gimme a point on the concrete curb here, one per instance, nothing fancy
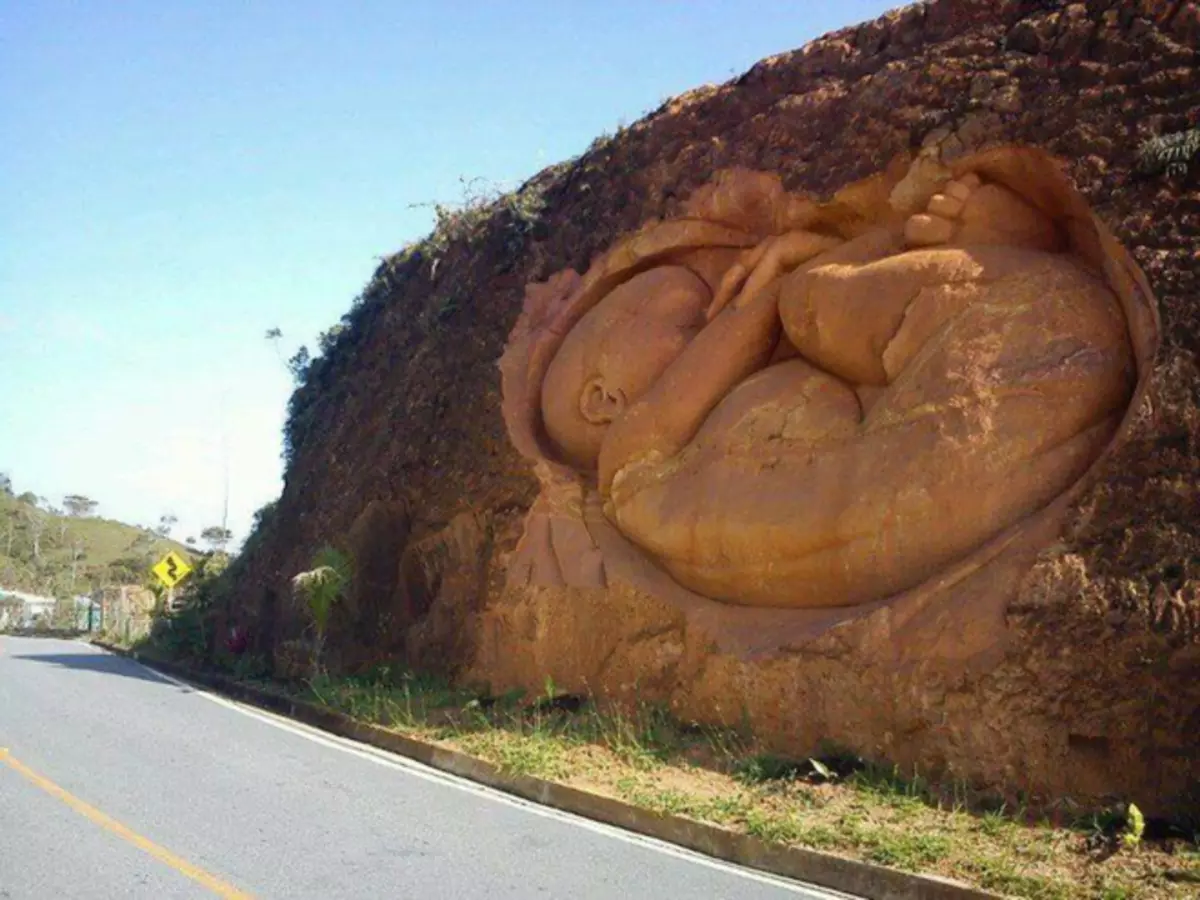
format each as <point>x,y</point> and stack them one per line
<point>823,869</point>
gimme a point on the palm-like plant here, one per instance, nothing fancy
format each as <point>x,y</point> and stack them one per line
<point>322,586</point>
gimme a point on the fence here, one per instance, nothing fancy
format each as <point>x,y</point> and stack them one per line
<point>123,611</point>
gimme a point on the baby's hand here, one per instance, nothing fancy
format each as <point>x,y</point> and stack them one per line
<point>736,277</point>
<point>764,264</point>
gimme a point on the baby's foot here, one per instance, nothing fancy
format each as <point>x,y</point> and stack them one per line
<point>968,211</point>
<point>941,219</point>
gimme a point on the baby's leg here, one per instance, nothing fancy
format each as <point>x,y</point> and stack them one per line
<point>844,314</point>
<point>791,402</point>
<point>843,317</point>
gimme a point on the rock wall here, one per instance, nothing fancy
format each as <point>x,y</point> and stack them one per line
<point>399,449</point>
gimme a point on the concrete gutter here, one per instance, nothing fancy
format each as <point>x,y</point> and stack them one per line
<point>824,869</point>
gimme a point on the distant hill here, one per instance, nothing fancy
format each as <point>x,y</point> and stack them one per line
<point>48,553</point>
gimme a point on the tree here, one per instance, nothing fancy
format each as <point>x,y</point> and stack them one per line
<point>329,337</point>
<point>274,336</point>
<point>78,552</point>
<point>216,536</point>
<point>191,541</point>
<point>165,524</point>
<point>37,525</point>
<point>298,365</point>
<point>28,497</point>
<point>6,487</point>
<point>322,586</point>
<point>263,515</point>
<point>13,515</point>
<point>79,506</point>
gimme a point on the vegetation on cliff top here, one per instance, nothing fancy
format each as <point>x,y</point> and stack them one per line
<point>516,212</point>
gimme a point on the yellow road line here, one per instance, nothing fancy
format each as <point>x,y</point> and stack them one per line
<point>214,884</point>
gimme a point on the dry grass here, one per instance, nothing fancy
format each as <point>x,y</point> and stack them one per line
<point>836,803</point>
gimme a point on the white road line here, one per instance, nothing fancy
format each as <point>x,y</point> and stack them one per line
<point>420,770</point>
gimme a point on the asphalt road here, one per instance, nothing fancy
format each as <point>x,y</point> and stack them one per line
<point>116,782</point>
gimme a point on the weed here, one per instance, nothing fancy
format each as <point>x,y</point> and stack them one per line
<point>774,829</point>
<point>907,851</point>
<point>1000,876</point>
<point>819,837</point>
<point>994,823</point>
<point>1169,153</point>
<point>724,809</point>
<point>1135,827</point>
<point>627,740</point>
<point>250,667</point>
<point>890,787</point>
<point>536,753</point>
<point>322,586</point>
<point>464,222</point>
<point>766,767</point>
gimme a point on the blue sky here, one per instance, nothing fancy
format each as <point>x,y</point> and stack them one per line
<point>176,178</point>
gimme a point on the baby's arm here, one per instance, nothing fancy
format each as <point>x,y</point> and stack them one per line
<point>736,344</point>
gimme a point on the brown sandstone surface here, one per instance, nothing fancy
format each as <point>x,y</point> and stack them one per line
<point>1083,682</point>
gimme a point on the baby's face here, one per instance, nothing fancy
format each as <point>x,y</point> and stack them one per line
<point>615,354</point>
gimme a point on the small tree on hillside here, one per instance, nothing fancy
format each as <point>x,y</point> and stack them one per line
<point>79,506</point>
<point>216,537</point>
<point>165,524</point>
<point>78,552</point>
<point>322,586</point>
<point>12,515</point>
<point>6,487</point>
<point>37,525</point>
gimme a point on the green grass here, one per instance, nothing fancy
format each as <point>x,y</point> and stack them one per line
<point>905,850</point>
<point>1003,877</point>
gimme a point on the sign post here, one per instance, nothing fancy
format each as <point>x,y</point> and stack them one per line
<point>171,570</point>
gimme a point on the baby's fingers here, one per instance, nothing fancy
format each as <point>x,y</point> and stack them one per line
<point>729,287</point>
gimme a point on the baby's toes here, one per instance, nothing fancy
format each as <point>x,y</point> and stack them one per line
<point>924,230</point>
<point>945,205</point>
<point>939,222</point>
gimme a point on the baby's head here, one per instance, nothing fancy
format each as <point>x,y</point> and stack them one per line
<point>615,354</point>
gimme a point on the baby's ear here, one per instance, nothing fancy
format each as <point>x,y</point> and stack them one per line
<point>599,405</point>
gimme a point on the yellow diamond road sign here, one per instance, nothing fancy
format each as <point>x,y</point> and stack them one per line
<point>171,569</point>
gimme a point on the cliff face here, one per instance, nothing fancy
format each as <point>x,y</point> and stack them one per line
<point>398,448</point>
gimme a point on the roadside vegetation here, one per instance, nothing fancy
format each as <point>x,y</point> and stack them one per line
<point>834,802</point>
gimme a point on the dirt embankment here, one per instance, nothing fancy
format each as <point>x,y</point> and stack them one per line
<point>398,447</point>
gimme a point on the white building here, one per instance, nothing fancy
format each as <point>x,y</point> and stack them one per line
<point>21,614</point>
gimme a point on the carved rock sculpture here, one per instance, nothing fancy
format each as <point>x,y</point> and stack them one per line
<point>799,405</point>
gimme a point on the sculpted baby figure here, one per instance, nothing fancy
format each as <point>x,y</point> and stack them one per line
<point>839,419</point>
